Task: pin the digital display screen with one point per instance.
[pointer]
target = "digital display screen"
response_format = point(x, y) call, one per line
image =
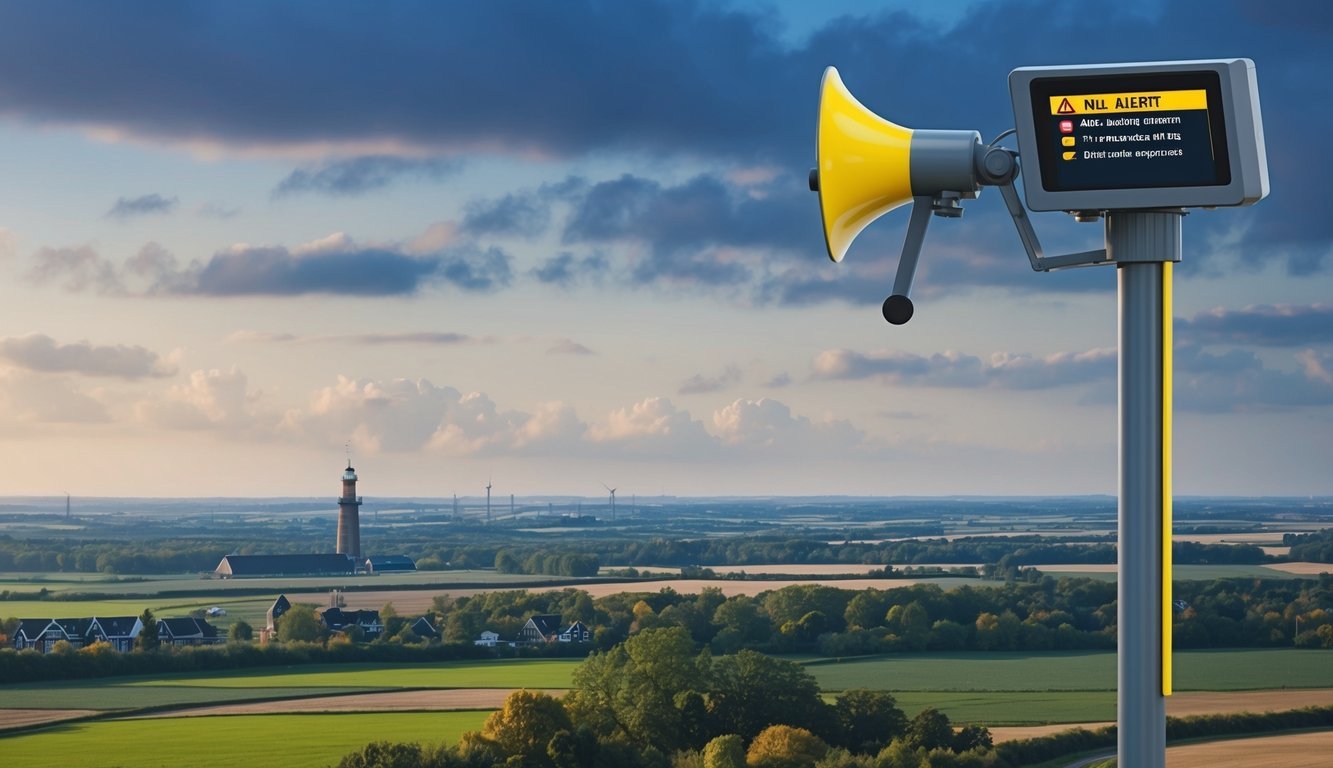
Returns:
point(1138, 131)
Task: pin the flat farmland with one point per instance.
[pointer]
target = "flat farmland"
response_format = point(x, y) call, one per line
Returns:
point(507, 673)
point(294, 741)
point(1295, 750)
point(285, 682)
point(1107, 571)
point(1222, 670)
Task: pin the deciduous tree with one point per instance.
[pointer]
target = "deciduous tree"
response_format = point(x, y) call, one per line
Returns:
point(782, 746)
point(299, 624)
point(526, 724)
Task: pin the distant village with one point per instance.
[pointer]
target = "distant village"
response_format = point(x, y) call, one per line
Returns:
point(123, 633)
point(126, 633)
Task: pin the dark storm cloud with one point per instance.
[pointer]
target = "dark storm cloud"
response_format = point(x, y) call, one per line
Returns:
point(667, 78)
point(508, 75)
point(275, 271)
point(338, 267)
point(683, 228)
point(1284, 325)
point(358, 175)
point(351, 270)
point(38, 352)
point(129, 207)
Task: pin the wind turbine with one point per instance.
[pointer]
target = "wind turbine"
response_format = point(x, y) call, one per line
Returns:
point(613, 501)
point(488, 500)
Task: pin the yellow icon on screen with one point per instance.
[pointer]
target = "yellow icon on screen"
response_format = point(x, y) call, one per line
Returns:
point(1067, 141)
point(1069, 155)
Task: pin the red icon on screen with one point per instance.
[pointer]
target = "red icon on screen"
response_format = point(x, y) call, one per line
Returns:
point(1066, 126)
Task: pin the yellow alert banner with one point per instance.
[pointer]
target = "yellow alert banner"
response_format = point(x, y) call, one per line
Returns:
point(1150, 101)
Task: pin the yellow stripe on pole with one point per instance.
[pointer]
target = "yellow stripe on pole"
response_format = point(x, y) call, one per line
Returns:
point(1168, 354)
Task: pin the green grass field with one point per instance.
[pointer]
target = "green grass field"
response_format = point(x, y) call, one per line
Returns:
point(507, 673)
point(1013, 707)
point(292, 741)
point(283, 682)
point(1225, 670)
point(1193, 573)
point(953, 676)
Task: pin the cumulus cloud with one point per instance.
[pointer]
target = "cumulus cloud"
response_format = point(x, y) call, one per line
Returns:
point(411, 415)
point(130, 207)
point(39, 352)
point(42, 399)
point(770, 424)
point(654, 426)
point(213, 399)
point(358, 175)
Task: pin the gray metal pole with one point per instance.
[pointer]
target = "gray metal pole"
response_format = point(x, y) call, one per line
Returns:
point(1140, 242)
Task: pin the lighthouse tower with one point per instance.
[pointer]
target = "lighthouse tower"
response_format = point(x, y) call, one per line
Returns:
point(349, 517)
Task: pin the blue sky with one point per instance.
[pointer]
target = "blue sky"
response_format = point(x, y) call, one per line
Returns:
point(562, 244)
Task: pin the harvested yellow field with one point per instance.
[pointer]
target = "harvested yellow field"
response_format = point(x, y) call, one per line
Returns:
point(1272, 538)
point(1195, 703)
point(1300, 750)
point(393, 701)
point(1215, 702)
point(1303, 569)
point(17, 718)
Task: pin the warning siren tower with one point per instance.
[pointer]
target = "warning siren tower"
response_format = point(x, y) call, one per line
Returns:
point(349, 516)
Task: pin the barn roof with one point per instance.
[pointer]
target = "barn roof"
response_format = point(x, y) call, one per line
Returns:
point(546, 623)
point(391, 563)
point(284, 565)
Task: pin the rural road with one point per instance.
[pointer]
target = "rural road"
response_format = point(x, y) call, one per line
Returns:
point(1093, 760)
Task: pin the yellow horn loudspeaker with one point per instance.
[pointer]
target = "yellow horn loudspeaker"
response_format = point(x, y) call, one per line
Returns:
point(864, 165)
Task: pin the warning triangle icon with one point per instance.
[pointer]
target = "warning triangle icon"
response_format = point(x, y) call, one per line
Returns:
point(1065, 108)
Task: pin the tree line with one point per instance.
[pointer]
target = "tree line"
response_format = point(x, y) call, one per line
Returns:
point(1310, 547)
point(1045, 614)
point(582, 558)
